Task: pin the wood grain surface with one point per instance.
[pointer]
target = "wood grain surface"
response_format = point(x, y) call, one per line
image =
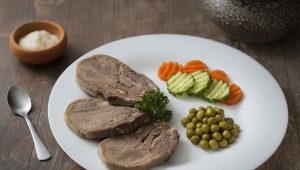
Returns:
point(91, 23)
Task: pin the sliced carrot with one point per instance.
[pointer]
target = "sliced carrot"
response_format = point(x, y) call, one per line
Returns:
point(167, 69)
point(194, 65)
point(235, 96)
point(175, 69)
point(161, 68)
point(195, 62)
point(165, 73)
point(192, 70)
point(219, 75)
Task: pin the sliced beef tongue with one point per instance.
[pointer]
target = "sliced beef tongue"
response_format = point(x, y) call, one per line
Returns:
point(148, 146)
point(94, 118)
point(106, 77)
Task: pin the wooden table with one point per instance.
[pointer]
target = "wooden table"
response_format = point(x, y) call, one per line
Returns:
point(90, 24)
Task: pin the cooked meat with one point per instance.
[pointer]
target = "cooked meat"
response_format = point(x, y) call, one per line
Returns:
point(94, 118)
point(106, 77)
point(148, 146)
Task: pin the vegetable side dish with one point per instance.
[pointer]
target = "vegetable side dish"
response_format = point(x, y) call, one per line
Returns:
point(208, 128)
point(195, 79)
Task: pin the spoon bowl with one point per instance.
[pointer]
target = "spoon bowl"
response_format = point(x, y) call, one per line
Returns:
point(20, 103)
point(18, 100)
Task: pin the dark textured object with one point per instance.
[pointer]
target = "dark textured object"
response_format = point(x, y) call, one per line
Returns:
point(255, 20)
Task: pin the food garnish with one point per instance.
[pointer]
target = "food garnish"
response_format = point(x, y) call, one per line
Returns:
point(208, 128)
point(196, 80)
point(201, 84)
point(167, 69)
point(218, 91)
point(154, 104)
point(219, 75)
point(194, 65)
point(235, 96)
point(180, 83)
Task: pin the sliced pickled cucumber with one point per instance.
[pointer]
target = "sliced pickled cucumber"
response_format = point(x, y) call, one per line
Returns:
point(217, 91)
point(202, 82)
point(180, 83)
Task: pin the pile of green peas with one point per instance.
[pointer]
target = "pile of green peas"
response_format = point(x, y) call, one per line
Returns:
point(208, 128)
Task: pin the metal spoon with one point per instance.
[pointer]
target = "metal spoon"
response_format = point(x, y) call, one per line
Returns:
point(20, 104)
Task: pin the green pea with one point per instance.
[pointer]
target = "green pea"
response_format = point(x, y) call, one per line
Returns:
point(200, 115)
point(189, 133)
point(198, 125)
point(234, 132)
point(205, 128)
point(231, 139)
point(211, 121)
point(198, 131)
point(236, 126)
point(226, 134)
point(204, 120)
point(210, 112)
point(223, 143)
point(223, 125)
point(202, 112)
point(222, 114)
point(229, 121)
point(201, 109)
point(195, 139)
point(203, 144)
point(206, 136)
point(184, 121)
point(229, 126)
point(193, 110)
point(219, 118)
point(191, 115)
point(195, 120)
point(214, 128)
point(190, 125)
point(219, 111)
point(213, 144)
point(208, 107)
point(217, 136)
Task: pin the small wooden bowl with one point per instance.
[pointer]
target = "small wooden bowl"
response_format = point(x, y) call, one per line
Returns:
point(41, 56)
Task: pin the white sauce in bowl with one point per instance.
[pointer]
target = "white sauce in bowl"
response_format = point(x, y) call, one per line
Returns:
point(38, 40)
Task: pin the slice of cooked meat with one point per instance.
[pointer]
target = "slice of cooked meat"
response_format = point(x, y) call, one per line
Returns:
point(106, 77)
point(148, 146)
point(94, 118)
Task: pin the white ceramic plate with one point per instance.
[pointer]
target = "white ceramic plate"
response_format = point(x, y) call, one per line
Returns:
point(262, 114)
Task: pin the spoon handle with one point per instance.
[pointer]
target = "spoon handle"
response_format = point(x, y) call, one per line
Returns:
point(41, 150)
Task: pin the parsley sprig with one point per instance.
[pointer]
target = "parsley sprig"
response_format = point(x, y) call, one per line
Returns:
point(154, 104)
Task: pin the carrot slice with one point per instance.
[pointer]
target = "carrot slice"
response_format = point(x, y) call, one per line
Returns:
point(219, 75)
point(194, 65)
point(235, 96)
point(191, 70)
point(176, 69)
point(195, 62)
point(161, 68)
point(165, 73)
point(167, 69)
